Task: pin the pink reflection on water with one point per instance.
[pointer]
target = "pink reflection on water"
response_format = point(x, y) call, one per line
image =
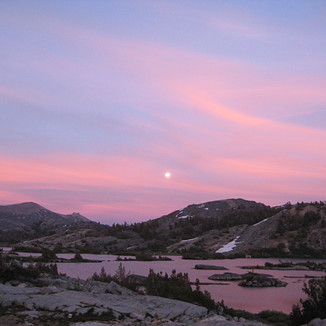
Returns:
point(250, 299)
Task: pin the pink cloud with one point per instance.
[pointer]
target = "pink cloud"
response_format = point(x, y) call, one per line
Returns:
point(250, 177)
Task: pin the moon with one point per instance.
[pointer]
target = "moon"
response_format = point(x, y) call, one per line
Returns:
point(167, 175)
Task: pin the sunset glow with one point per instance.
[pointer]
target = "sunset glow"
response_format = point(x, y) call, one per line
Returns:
point(100, 98)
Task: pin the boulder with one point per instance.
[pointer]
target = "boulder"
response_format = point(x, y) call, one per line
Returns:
point(115, 288)
point(86, 286)
point(9, 289)
point(225, 277)
point(300, 268)
point(123, 303)
point(260, 281)
point(317, 322)
point(136, 279)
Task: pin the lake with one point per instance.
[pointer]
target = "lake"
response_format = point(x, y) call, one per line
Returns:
point(250, 299)
point(234, 296)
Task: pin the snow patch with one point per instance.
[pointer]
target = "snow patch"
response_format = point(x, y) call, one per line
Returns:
point(188, 240)
point(260, 222)
point(183, 216)
point(179, 213)
point(132, 248)
point(201, 206)
point(229, 246)
point(206, 208)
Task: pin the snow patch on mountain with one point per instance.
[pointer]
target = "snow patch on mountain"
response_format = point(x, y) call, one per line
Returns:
point(260, 222)
point(229, 246)
point(188, 240)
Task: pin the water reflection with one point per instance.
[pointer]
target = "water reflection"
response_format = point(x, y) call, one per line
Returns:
point(251, 299)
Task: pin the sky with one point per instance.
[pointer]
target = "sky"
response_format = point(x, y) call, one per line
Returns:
point(100, 99)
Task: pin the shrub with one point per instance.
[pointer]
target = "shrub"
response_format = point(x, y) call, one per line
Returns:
point(177, 286)
point(121, 275)
point(78, 257)
point(269, 317)
point(49, 254)
point(45, 268)
point(144, 256)
point(273, 317)
point(314, 306)
point(15, 271)
point(102, 276)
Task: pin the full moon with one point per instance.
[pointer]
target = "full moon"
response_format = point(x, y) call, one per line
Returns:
point(167, 175)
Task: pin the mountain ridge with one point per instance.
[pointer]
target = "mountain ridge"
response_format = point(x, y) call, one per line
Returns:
point(28, 219)
point(214, 229)
point(21, 208)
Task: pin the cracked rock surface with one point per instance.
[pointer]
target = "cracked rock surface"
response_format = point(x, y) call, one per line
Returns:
point(88, 303)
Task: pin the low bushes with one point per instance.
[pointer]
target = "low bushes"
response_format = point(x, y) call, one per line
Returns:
point(314, 306)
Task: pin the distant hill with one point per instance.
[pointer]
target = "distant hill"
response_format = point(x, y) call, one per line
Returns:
point(29, 220)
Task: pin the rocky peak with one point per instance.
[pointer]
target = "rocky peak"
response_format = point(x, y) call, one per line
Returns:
point(22, 208)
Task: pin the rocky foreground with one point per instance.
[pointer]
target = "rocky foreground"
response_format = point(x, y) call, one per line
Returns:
point(67, 301)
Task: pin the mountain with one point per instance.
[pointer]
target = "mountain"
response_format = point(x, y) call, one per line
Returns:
point(296, 231)
point(216, 229)
point(202, 228)
point(28, 220)
point(159, 234)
